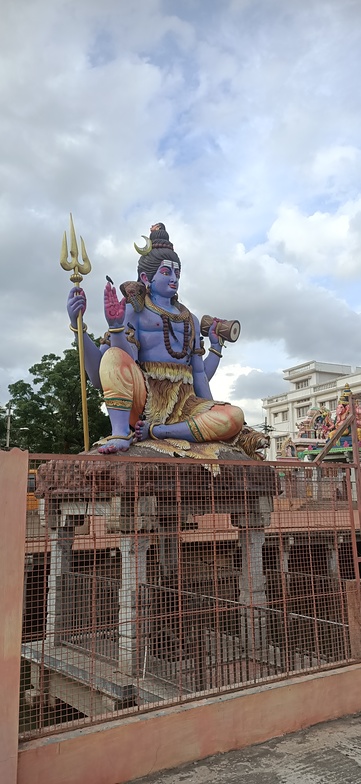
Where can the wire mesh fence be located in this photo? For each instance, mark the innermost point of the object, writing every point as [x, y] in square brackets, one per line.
[151, 582]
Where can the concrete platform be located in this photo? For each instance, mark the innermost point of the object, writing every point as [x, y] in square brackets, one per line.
[90, 685]
[329, 753]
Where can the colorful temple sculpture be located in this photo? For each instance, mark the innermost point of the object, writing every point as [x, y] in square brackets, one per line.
[152, 370]
[317, 424]
[319, 427]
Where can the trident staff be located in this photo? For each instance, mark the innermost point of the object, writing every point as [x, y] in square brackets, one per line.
[76, 278]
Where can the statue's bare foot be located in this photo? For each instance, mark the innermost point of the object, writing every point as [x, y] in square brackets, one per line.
[115, 444]
[141, 430]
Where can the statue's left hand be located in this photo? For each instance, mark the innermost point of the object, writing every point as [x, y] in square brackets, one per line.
[76, 304]
[213, 337]
[113, 309]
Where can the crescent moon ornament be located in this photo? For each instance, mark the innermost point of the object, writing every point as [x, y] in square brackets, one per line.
[147, 247]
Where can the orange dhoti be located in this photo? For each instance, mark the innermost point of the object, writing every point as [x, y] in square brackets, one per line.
[164, 394]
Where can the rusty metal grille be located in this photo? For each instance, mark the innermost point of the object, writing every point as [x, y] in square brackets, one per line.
[151, 582]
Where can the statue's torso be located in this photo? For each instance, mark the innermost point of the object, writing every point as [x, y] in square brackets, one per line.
[151, 338]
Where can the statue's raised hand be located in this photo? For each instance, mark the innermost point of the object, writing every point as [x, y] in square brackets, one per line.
[76, 304]
[113, 309]
[213, 337]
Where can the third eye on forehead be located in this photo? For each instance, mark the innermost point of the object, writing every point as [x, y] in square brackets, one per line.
[170, 264]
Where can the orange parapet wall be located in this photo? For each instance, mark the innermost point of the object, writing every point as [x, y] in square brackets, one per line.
[13, 487]
[119, 752]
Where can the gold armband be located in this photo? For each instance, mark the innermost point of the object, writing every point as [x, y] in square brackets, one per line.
[74, 329]
[116, 329]
[214, 351]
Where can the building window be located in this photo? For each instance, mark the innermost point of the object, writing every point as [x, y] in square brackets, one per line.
[284, 416]
[332, 404]
[279, 443]
[302, 411]
[303, 384]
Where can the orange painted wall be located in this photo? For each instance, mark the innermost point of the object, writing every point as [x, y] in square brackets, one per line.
[13, 485]
[119, 752]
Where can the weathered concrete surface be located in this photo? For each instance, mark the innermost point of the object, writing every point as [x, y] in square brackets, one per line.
[327, 754]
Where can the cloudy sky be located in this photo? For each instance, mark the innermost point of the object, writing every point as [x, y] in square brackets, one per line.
[236, 122]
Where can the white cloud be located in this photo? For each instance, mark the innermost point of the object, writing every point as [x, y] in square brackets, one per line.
[323, 243]
[237, 125]
[337, 168]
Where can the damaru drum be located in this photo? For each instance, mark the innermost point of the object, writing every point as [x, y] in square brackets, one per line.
[227, 330]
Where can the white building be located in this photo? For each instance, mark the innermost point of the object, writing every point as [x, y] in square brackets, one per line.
[312, 385]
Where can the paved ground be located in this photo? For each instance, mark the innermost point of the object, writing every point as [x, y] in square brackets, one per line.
[326, 754]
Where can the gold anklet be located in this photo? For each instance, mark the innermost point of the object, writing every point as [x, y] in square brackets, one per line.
[151, 431]
[124, 438]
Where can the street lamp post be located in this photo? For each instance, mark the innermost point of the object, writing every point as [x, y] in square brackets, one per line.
[26, 438]
[8, 425]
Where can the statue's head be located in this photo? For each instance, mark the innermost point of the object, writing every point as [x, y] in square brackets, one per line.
[158, 248]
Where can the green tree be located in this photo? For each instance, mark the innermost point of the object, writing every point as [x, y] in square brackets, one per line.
[47, 413]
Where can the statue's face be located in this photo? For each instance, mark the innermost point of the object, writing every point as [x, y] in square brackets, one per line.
[166, 280]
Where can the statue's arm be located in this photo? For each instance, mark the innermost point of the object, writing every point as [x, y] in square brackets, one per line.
[213, 357]
[92, 357]
[200, 379]
[77, 304]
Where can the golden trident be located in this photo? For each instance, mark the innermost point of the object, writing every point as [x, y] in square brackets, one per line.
[77, 278]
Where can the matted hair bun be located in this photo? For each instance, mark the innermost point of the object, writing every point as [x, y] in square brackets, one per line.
[161, 249]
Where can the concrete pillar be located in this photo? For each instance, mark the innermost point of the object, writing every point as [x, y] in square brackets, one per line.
[133, 549]
[28, 568]
[353, 595]
[252, 580]
[288, 542]
[62, 540]
[285, 557]
[13, 485]
[168, 555]
[332, 558]
[253, 592]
